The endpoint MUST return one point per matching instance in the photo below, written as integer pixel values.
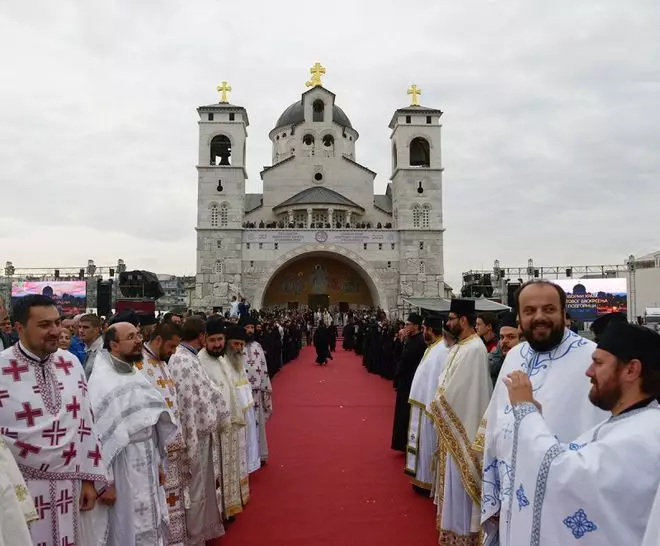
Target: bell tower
(417, 197)
(220, 200)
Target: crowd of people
(133, 429)
(520, 430)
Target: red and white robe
(158, 375)
(46, 421)
(262, 391)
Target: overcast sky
(551, 131)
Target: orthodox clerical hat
(415, 319)
(462, 307)
(215, 326)
(509, 319)
(128, 315)
(147, 319)
(435, 322)
(599, 325)
(235, 332)
(249, 321)
(629, 341)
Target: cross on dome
(224, 89)
(316, 71)
(415, 92)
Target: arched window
(220, 150)
(394, 156)
(224, 214)
(420, 152)
(308, 145)
(425, 219)
(308, 140)
(213, 209)
(417, 215)
(219, 267)
(318, 109)
(328, 141)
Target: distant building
(176, 292)
(644, 284)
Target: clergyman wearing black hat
(618, 456)
(599, 325)
(411, 356)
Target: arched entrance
(319, 278)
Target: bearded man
(235, 486)
(202, 411)
(134, 425)
(509, 338)
(262, 391)
(575, 492)
(464, 389)
(46, 422)
(555, 360)
(155, 355)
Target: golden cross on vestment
(224, 90)
(415, 92)
(316, 71)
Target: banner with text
(339, 236)
(587, 299)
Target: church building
(318, 236)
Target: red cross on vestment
(96, 455)
(69, 453)
(54, 433)
(64, 365)
(172, 499)
(3, 396)
(64, 501)
(26, 449)
(41, 505)
(66, 542)
(73, 407)
(82, 384)
(15, 370)
(83, 430)
(29, 414)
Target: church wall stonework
(394, 263)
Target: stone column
(348, 216)
(330, 213)
(290, 212)
(309, 217)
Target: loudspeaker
(140, 284)
(511, 294)
(104, 297)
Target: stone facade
(318, 200)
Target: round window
(318, 177)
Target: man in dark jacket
(413, 352)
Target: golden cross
(224, 89)
(316, 71)
(415, 92)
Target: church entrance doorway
(320, 279)
(318, 301)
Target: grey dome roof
(295, 114)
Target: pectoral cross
(224, 89)
(316, 71)
(415, 92)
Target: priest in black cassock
(349, 336)
(413, 352)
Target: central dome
(295, 114)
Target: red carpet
(332, 478)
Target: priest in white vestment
(262, 391)
(600, 488)
(153, 366)
(202, 411)
(555, 359)
(235, 486)
(464, 389)
(16, 506)
(46, 422)
(134, 424)
(422, 438)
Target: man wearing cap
(599, 325)
(462, 396)
(555, 359)
(412, 354)
(201, 414)
(155, 354)
(262, 390)
(148, 323)
(599, 489)
(509, 338)
(422, 438)
(235, 488)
